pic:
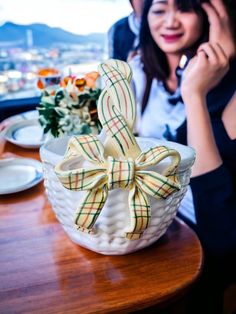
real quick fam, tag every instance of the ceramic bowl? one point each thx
(109, 237)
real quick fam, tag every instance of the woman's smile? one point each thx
(169, 38)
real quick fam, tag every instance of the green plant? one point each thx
(71, 107)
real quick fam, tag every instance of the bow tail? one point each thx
(90, 208)
(140, 213)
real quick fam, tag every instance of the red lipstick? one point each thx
(171, 38)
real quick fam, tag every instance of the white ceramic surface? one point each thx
(19, 174)
(26, 133)
(111, 224)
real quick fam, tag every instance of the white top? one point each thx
(155, 125)
(159, 117)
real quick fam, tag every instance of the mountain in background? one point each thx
(42, 35)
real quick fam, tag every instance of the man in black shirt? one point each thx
(124, 34)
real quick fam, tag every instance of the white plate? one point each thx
(19, 174)
(27, 134)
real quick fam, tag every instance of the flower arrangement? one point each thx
(68, 105)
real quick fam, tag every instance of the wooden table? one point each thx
(43, 271)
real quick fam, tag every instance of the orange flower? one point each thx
(48, 72)
(40, 84)
(91, 78)
(80, 83)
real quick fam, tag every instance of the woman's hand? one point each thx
(220, 27)
(204, 71)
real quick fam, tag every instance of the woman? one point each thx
(202, 119)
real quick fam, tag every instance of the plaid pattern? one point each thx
(112, 173)
(139, 212)
(117, 130)
(117, 76)
(90, 208)
(87, 146)
(116, 108)
(120, 173)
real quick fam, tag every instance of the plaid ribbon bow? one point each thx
(110, 173)
(125, 164)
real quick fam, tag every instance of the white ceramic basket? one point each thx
(111, 224)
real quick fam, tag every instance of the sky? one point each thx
(76, 16)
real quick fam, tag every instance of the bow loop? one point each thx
(87, 146)
(155, 155)
(155, 184)
(80, 179)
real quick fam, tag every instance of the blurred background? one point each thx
(69, 35)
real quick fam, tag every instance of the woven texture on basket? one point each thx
(109, 238)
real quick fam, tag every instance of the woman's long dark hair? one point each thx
(153, 58)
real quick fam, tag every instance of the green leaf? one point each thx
(62, 112)
(59, 96)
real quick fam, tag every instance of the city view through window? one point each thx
(68, 35)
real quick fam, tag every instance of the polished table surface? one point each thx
(43, 271)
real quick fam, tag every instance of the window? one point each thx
(69, 35)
